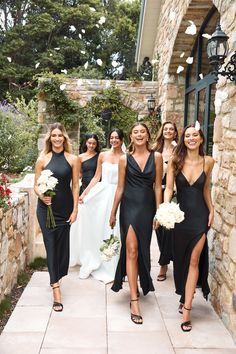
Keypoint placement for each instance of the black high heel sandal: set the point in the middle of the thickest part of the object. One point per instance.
(57, 306)
(137, 319)
(180, 308)
(187, 323)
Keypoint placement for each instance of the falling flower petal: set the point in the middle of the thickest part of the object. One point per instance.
(9, 137)
(179, 69)
(173, 143)
(154, 61)
(37, 65)
(99, 62)
(65, 37)
(9, 59)
(80, 35)
(201, 76)
(62, 87)
(50, 54)
(86, 65)
(182, 55)
(114, 63)
(64, 71)
(192, 29)
(206, 35)
(83, 30)
(108, 84)
(57, 48)
(197, 125)
(102, 20)
(92, 9)
(97, 25)
(189, 60)
(79, 82)
(72, 28)
(82, 51)
(172, 15)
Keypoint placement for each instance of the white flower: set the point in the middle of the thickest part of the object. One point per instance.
(46, 182)
(168, 214)
(179, 69)
(109, 248)
(192, 29)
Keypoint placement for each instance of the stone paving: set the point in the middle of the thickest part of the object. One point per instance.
(95, 320)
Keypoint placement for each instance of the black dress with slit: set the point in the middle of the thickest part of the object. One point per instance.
(187, 233)
(88, 168)
(165, 236)
(56, 240)
(137, 209)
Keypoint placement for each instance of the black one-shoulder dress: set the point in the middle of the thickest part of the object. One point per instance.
(137, 209)
(187, 233)
(88, 168)
(56, 239)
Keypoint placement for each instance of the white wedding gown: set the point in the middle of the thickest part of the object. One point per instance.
(92, 227)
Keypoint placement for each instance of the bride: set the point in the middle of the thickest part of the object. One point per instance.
(92, 224)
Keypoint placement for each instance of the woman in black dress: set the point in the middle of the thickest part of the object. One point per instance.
(56, 157)
(166, 140)
(88, 160)
(139, 191)
(191, 171)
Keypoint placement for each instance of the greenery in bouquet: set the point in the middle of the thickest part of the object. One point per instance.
(109, 248)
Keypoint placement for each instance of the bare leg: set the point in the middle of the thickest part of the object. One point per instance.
(132, 268)
(192, 277)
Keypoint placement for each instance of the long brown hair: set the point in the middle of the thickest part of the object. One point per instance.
(47, 141)
(180, 151)
(159, 143)
(131, 148)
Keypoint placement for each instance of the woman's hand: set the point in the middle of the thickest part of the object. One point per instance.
(73, 217)
(112, 220)
(210, 218)
(155, 224)
(81, 198)
(45, 199)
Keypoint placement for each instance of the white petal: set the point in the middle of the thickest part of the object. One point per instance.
(80, 35)
(102, 20)
(82, 51)
(86, 65)
(201, 76)
(192, 29)
(197, 125)
(64, 71)
(9, 59)
(114, 63)
(108, 84)
(182, 55)
(72, 28)
(173, 143)
(154, 61)
(79, 82)
(97, 25)
(206, 35)
(65, 37)
(189, 60)
(57, 48)
(92, 9)
(172, 15)
(99, 62)
(83, 30)
(37, 65)
(50, 54)
(62, 87)
(179, 69)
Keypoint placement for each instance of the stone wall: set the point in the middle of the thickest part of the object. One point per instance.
(171, 41)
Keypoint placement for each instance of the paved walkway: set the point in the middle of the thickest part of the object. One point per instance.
(96, 320)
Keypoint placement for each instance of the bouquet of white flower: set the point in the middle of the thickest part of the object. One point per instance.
(168, 214)
(109, 248)
(46, 185)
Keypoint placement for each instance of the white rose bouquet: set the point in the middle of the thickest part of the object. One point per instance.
(109, 248)
(46, 185)
(168, 214)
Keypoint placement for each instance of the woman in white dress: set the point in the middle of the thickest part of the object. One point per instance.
(92, 224)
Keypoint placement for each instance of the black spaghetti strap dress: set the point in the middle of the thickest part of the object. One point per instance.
(137, 209)
(56, 240)
(88, 168)
(165, 237)
(188, 233)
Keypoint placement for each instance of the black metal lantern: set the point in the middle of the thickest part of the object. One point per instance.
(151, 103)
(217, 50)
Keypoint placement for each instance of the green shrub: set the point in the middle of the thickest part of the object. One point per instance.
(38, 263)
(5, 306)
(23, 278)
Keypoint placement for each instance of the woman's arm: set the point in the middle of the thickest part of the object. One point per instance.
(209, 162)
(170, 179)
(95, 179)
(119, 189)
(158, 184)
(75, 164)
(38, 169)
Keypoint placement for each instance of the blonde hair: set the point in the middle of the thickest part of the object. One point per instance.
(47, 141)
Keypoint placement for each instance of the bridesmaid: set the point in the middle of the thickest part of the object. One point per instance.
(56, 156)
(88, 160)
(139, 171)
(166, 140)
(191, 170)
